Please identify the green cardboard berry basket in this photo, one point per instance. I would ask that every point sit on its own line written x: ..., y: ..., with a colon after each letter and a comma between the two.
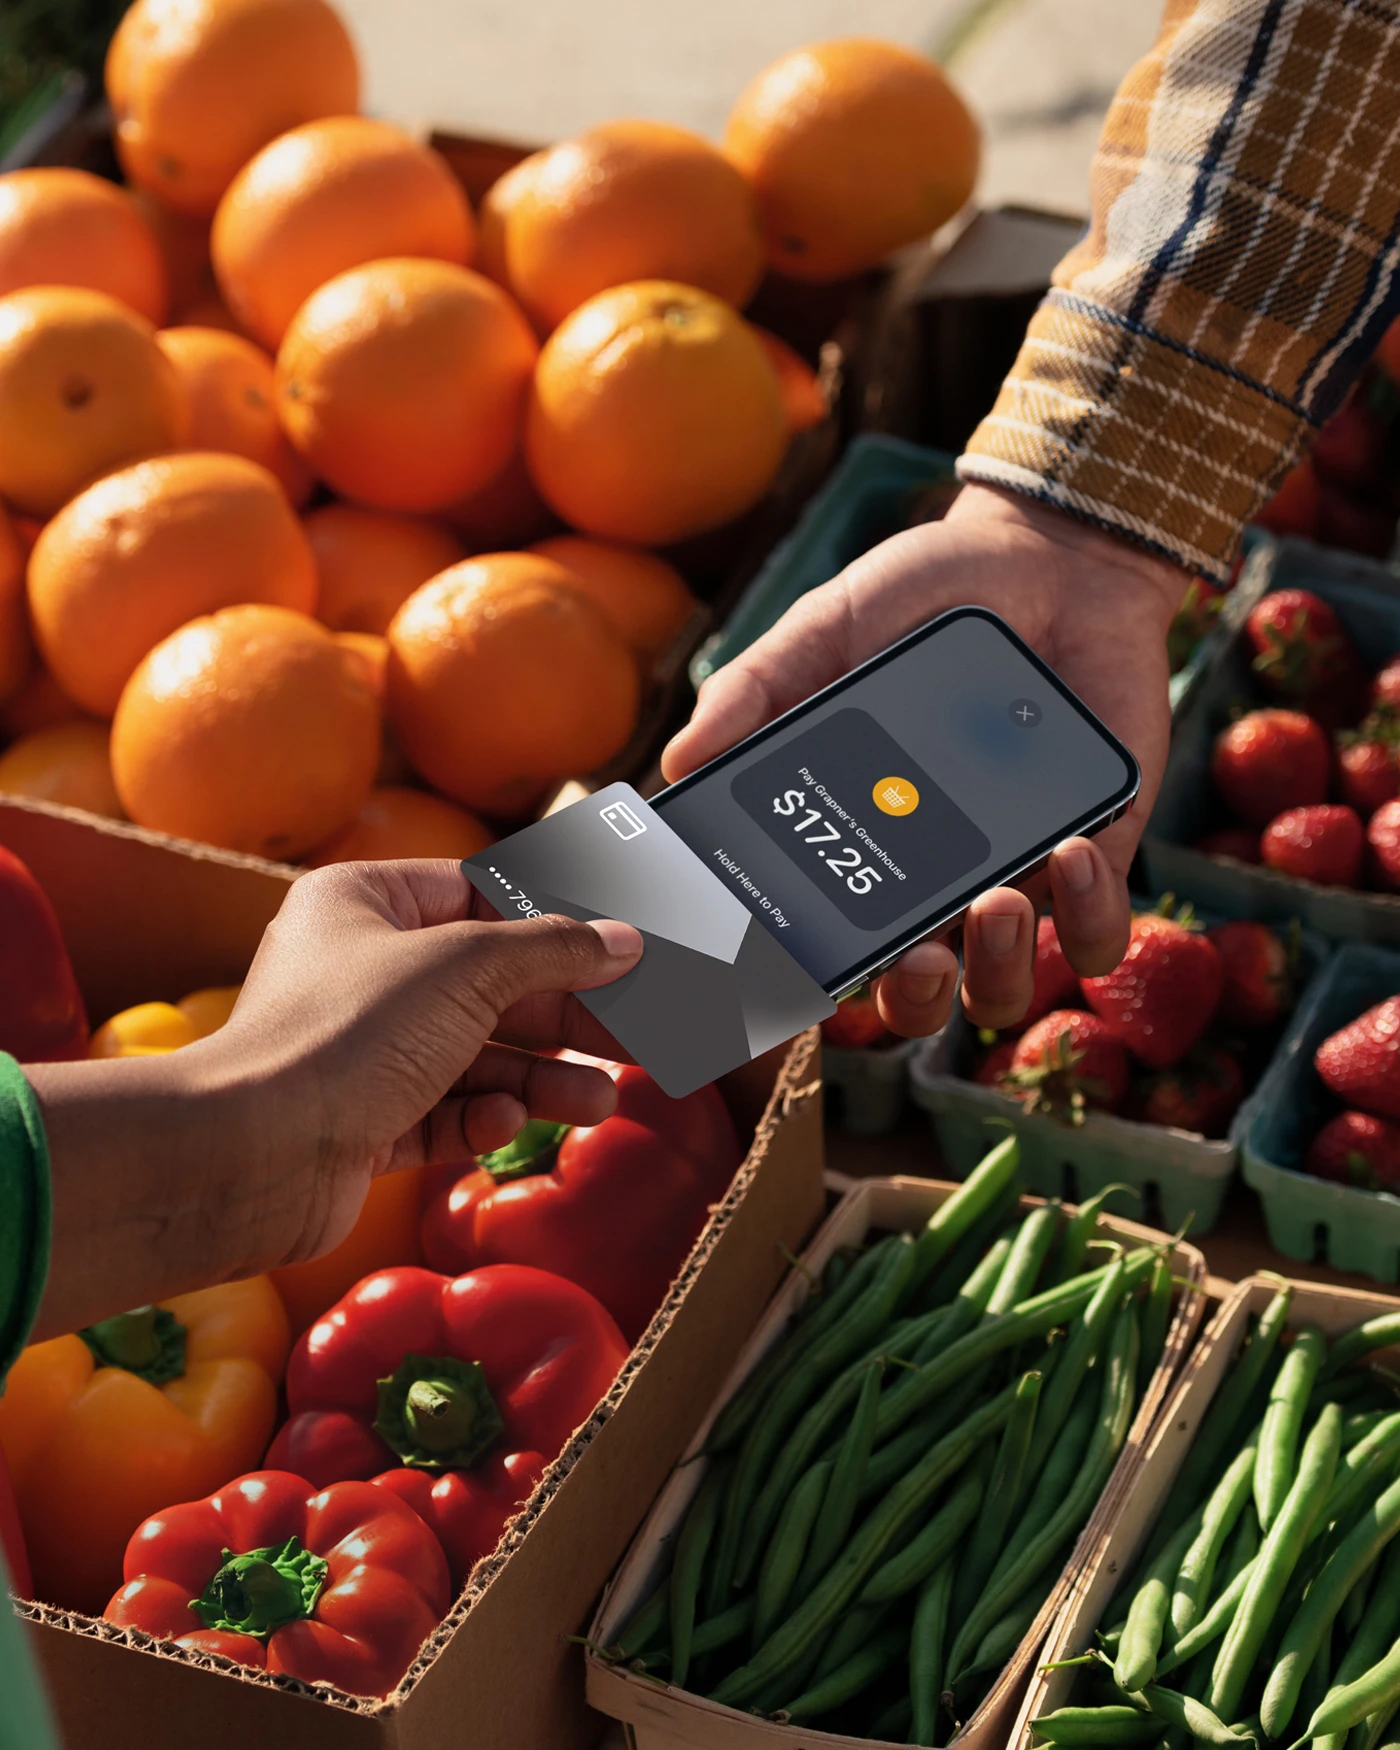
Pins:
x: 1366, y: 597
x: 1342, y: 1225
x: 866, y: 1089
x: 1174, y: 1175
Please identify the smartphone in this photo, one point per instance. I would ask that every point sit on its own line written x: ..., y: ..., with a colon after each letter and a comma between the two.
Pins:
x: 876, y: 811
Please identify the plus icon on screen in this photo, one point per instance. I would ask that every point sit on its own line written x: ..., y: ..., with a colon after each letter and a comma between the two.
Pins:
x: 1025, y: 713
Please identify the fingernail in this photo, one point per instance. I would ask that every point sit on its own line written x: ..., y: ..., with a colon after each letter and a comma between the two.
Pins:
x: 620, y: 940
x: 1076, y: 865
x: 922, y: 988
x: 998, y: 931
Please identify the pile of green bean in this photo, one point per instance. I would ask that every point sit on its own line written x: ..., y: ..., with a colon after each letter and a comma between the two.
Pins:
x: 889, y: 1498
x: 1266, y: 1606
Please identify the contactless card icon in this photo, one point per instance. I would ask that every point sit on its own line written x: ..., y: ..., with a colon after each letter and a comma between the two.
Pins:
x: 624, y: 822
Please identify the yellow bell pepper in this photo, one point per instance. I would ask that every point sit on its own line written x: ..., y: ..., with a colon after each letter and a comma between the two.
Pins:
x: 151, y: 1029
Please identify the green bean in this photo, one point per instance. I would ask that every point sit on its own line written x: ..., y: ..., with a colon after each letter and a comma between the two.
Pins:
x: 687, y: 1565
x: 1283, y: 1422
x: 1005, y: 1635
x: 1354, y: 1605
x: 1213, y: 1624
x: 645, y: 1624
x: 787, y: 1548
x: 717, y: 1632
x: 1014, y: 1573
x: 1003, y: 1492
x: 1079, y: 1231
x: 1029, y: 1250
x: 1377, y: 1333
x: 848, y: 1680
x: 1156, y: 1322
x: 1282, y: 1546
x: 1353, y: 1702
x: 891, y: 1724
x: 838, y: 1509
x: 1222, y: 1511
x: 1370, y: 1457
x: 970, y: 1249
x: 1099, y: 1725
x: 1373, y: 1728
x: 1324, y: 1599
x: 926, y: 1642
x: 910, y: 1565
x: 1058, y: 1474
x: 1358, y: 1425
x: 983, y: 1185
x: 1189, y: 1716
x: 1141, y: 1639
x: 862, y: 1555
x: 1316, y: 1680
x: 1085, y: 1338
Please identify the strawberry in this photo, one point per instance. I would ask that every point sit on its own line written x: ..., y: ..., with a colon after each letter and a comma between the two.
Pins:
x: 1383, y: 838
x: 1201, y: 1094
x: 1294, y: 508
x: 1193, y: 619
x: 996, y: 1065
x: 1298, y: 642
x: 1360, y: 1062
x: 1164, y: 991
x: 1258, y: 989
x: 856, y: 1023
x: 1271, y: 760
x: 1326, y: 844
x: 1056, y: 981
x: 1349, y: 449
x: 1356, y: 1149
x: 1068, y: 1062
x: 1385, y: 689
x: 1368, y: 771
x: 1231, y: 841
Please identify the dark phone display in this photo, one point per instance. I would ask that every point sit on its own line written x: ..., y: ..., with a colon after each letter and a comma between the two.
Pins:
x: 895, y: 797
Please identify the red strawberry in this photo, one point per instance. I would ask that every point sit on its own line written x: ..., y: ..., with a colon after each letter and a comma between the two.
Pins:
x: 1067, y: 1062
x: 1361, y: 1061
x: 1368, y: 771
x: 1298, y: 642
x: 1383, y: 837
x: 1271, y: 760
x: 1164, y: 991
x: 1193, y: 619
x: 1258, y: 988
x: 1056, y: 981
x: 995, y: 1066
x: 1293, y: 510
x: 856, y: 1023
x: 1356, y: 1149
x: 1201, y: 1094
x: 1385, y: 689
x: 1231, y: 841
x: 1326, y: 844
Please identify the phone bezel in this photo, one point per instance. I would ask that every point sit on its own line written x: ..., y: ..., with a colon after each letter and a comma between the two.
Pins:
x: 945, y: 916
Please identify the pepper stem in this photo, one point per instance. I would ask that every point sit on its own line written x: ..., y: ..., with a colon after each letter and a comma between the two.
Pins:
x: 148, y: 1341
x: 531, y: 1150
x: 261, y: 1590
x: 438, y: 1413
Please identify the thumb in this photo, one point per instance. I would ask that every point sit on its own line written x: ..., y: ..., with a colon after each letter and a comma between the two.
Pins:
x: 509, y: 961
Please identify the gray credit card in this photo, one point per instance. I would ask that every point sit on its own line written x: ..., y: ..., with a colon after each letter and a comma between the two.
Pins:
x: 713, y: 988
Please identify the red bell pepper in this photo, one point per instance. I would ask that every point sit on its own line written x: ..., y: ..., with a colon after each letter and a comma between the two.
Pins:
x: 42, y: 1018
x: 476, y: 1384
x: 339, y: 1587
x: 615, y: 1207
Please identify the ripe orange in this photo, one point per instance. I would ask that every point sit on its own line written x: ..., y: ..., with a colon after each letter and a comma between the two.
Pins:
x: 368, y: 563
x: 83, y: 388
x: 326, y: 197
x: 506, y: 512
x: 146, y: 549
x: 398, y: 822
x: 39, y: 704
x: 231, y: 389
x: 198, y: 86
x: 854, y: 147
x: 644, y: 597
x: 654, y: 414
x: 504, y: 678
x: 247, y: 729
x: 69, y: 763
x: 803, y: 397
x: 631, y: 200
x: 16, y: 651
x: 369, y: 652
x: 497, y: 204
x: 402, y: 382
x: 61, y: 227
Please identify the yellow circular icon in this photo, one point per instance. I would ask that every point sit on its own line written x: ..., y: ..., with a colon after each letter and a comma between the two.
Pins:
x: 895, y: 796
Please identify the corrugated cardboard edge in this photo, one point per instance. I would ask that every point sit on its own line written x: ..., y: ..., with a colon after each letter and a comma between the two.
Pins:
x: 660, y: 1716
x: 795, y: 1098
x: 1120, y: 1529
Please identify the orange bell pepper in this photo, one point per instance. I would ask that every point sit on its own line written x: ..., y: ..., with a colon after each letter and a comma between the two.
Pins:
x: 151, y: 1029
x: 163, y: 1404
x: 384, y: 1236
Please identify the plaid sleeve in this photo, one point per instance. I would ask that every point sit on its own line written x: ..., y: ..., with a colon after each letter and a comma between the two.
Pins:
x: 1238, y: 271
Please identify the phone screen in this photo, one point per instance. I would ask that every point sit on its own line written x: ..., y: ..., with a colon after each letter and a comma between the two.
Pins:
x: 881, y: 806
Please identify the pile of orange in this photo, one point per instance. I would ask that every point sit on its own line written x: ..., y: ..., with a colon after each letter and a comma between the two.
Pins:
x: 329, y: 507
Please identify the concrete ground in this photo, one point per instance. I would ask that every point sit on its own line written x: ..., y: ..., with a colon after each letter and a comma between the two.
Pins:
x: 1039, y: 73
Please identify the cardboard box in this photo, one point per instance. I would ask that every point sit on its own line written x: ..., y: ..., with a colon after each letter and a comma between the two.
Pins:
x: 660, y: 1717
x: 1123, y: 1523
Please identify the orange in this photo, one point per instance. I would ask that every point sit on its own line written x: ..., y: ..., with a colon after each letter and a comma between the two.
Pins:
x: 644, y: 597
x: 654, y: 414
x: 368, y: 563
x: 146, y: 549
x: 398, y: 822
x: 631, y: 200
x: 506, y: 512
x: 497, y: 204
x: 803, y: 397
x: 231, y: 389
x: 16, y: 651
x: 247, y: 729
x: 402, y: 382
x: 198, y: 86
x: 369, y: 651
x: 39, y: 704
x: 68, y: 763
x: 504, y: 678
x: 83, y: 388
x: 183, y: 241
x: 323, y: 198
x: 61, y: 227
x: 384, y: 1237
x: 854, y: 147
